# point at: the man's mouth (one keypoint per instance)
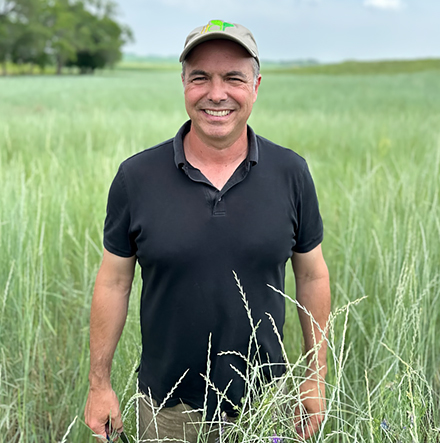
(217, 113)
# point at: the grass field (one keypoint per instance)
(352, 67)
(373, 145)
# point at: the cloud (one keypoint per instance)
(384, 4)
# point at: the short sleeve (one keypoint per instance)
(117, 236)
(310, 229)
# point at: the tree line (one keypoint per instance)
(64, 33)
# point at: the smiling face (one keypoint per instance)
(219, 91)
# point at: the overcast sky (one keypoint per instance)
(326, 30)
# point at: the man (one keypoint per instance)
(213, 200)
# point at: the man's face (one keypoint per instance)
(219, 91)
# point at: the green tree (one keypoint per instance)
(23, 38)
(101, 41)
(100, 37)
(81, 33)
(12, 14)
(86, 34)
(31, 42)
(61, 19)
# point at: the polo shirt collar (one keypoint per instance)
(179, 153)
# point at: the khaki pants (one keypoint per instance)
(182, 424)
(178, 423)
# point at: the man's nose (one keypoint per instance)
(217, 91)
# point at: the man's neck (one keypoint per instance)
(212, 153)
(216, 162)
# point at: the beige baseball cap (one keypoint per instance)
(218, 30)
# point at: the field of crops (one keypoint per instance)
(373, 146)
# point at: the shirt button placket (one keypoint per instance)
(219, 206)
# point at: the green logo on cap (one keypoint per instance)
(222, 26)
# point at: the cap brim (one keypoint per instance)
(213, 35)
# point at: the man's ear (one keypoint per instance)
(257, 85)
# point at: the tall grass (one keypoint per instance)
(373, 144)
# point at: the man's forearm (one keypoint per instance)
(107, 320)
(314, 296)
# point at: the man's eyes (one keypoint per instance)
(200, 79)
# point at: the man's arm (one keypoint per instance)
(107, 320)
(313, 293)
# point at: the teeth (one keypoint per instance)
(217, 113)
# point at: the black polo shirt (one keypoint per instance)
(189, 238)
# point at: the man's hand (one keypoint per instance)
(310, 413)
(102, 413)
